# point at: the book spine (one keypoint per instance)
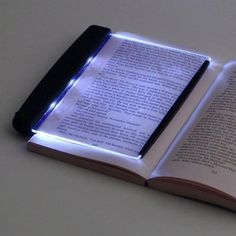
(54, 83)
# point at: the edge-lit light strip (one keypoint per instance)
(157, 45)
(70, 84)
(85, 145)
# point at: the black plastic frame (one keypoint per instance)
(58, 77)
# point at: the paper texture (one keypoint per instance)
(205, 150)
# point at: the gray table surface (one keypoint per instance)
(41, 196)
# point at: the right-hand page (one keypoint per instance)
(205, 149)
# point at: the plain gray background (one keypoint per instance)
(41, 196)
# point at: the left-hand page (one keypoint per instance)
(122, 96)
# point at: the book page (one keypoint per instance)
(122, 95)
(205, 150)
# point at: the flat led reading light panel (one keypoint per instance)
(121, 96)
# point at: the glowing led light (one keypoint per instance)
(85, 144)
(89, 60)
(58, 99)
(71, 82)
(52, 105)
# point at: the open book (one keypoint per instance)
(121, 116)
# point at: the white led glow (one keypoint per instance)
(71, 82)
(52, 105)
(44, 134)
(58, 99)
(89, 60)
